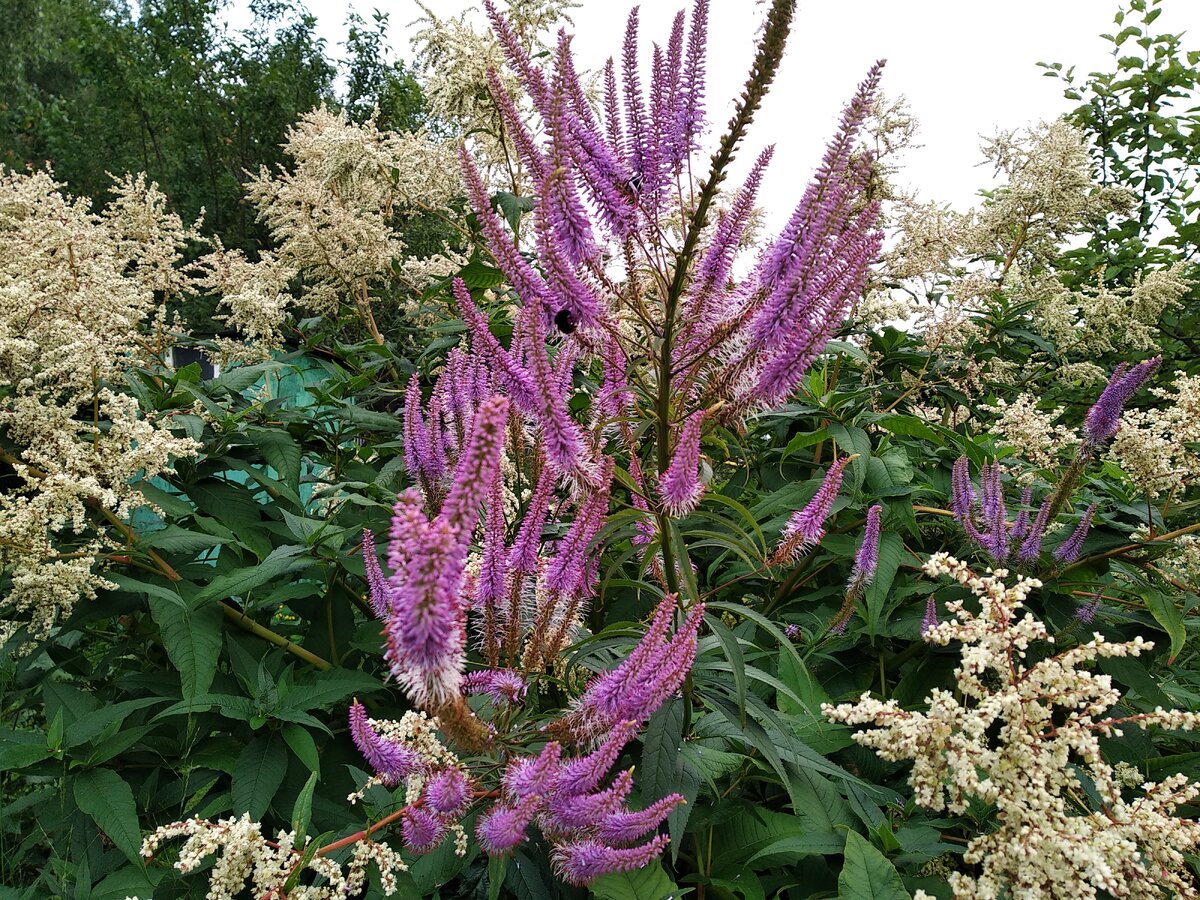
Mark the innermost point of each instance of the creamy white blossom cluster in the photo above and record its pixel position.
(956, 264)
(1034, 434)
(1021, 732)
(1100, 318)
(82, 300)
(454, 55)
(1153, 447)
(335, 216)
(244, 856)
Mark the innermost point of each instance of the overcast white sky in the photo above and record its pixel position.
(966, 66)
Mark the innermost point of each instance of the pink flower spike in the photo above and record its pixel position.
(807, 526)
(448, 791)
(867, 558)
(527, 776)
(376, 582)
(502, 828)
(680, 488)
(421, 830)
(500, 685)
(625, 826)
(392, 762)
(581, 862)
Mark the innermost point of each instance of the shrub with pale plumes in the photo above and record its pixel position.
(82, 302)
(1022, 731)
(336, 217)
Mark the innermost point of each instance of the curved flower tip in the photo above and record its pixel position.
(807, 526)
(680, 486)
(391, 761)
(1068, 551)
(421, 830)
(376, 582)
(626, 826)
(930, 620)
(581, 862)
(502, 828)
(1104, 417)
(867, 558)
(499, 685)
(447, 792)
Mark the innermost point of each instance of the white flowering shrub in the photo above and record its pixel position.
(551, 524)
(1021, 731)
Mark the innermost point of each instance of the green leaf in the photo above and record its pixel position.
(497, 868)
(733, 653)
(891, 552)
(647, 883)
(302, 745)
(104, 795)
(282, 560)
(330, 687)
(146, 588)
(192, 637)
(911, 426)
(1168, 615)
(302, 808)
(257, 775)
(281, 451)
(174, 539)
(867, 873)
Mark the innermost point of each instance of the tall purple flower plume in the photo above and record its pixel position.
(425, 631)
(680, 487)
(584, 861)
(806, 527)
(1104, 417)
(1068, 551)
(867, 558)
(391, 761)
(377, 591)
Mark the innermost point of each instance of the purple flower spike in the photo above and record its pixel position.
(492, 587)
(1031, 547)
(527, 777)
(1104, 417)
(993, 513)
(502, 828)
(376, 582)
(580, 862)
(392, 762)
(652, 672)
(523, 555)
(625, 826)
(476, 467)
(1068, 551)
(867, 558)
(583, 774)
(500, 685)
(509, 373)
(807, 526)
(930, 619)
(1087, 613)
(448, 791)
(578, 812)
(1020, 526)
(421, 830)
(962, 493)
(418, 450)
(680, 486)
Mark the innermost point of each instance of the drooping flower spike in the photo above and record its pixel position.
(806, 527)
(865, 562)
(1104, 417)
(680, 487)
(391, 761)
